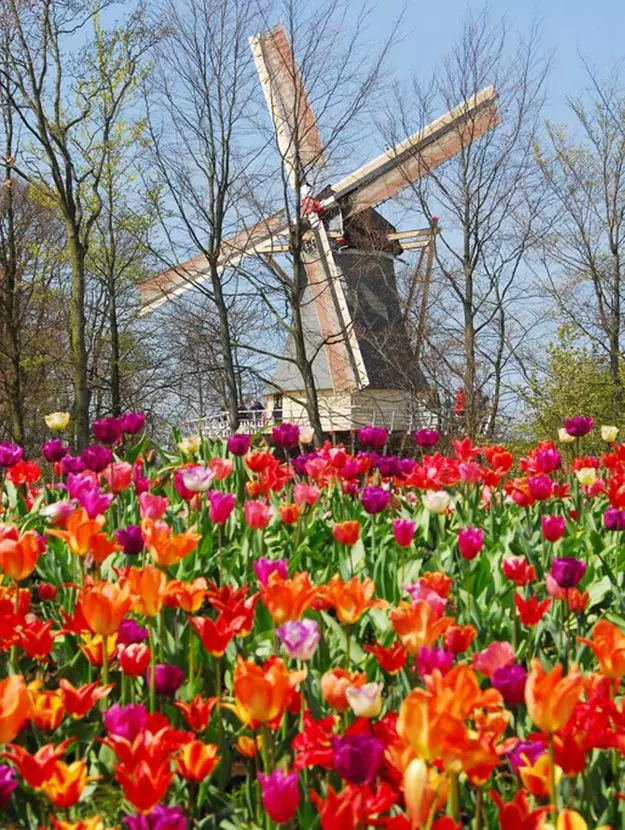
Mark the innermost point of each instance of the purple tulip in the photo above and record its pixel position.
(375, 499)
(132, 423)
(300, 638)
(131, 539)
(96, 457)
(388, 465)
(137, 822)
(285, 436)
(405, 466)
(510, 681)
(357, 758)
(578, 427)
(525, 754)
(10, 454)
(300, 461)
(54, 450)
(426, 438)
(263, 568)
(428, 659)
(94, 501)
(8, 783)
(568, 571)
(126, 721)
(614, 519)
(72, 464)
(373, 437)
(239, 444)
(130, 631)
(167, 679)
(107, 430)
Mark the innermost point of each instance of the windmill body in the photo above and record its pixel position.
(363, 360)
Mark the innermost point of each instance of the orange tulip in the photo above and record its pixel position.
(66, 784)
(104, 605)
(350, 599)
(246, 747)
(197, 713)
(197, 760)
(15, 707)
(437, 581)
(102, 547)
(537, 778)
(287, 599)
(47, 710)
(262, 692)
(550, 698)
(79, 701)
(427, 730)
(417, 625)
(166, 548)
(148, 586)
(334, 685)
(37, 768)
(187, 596)
(608, 645)
(18, 557)
(93, 648)
(93, 823)
(80, 532)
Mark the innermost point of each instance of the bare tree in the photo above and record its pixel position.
(198, 105)
(489, 200)
(68, 99)
(585, 247)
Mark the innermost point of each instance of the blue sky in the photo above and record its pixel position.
(568, 28)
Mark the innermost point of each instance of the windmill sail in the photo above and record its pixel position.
(294, 121)
(419, 154)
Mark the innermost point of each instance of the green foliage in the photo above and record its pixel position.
(577, 382)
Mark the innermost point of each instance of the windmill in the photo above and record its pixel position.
(364, 365)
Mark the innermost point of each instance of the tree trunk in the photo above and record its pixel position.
(306, 371)
(470, 419)
(615, 338)
(11, 327)
(116, 404)
(78, 342)
(230, 378)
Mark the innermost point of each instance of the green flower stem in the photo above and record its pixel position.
(152, 693)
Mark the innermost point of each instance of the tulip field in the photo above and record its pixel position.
(258, 633)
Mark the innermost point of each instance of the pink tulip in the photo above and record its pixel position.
(404, 530)
(470, 541)
(493, 657)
